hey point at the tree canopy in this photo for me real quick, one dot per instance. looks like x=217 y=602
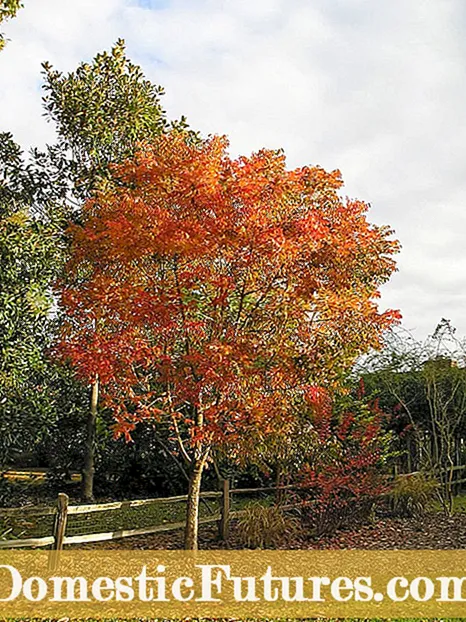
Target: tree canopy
x=219 y=292
x=101 y=111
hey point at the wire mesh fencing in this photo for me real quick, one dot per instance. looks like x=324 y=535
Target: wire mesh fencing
x=37 y=523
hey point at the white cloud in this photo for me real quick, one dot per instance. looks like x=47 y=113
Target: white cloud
x=373 y=88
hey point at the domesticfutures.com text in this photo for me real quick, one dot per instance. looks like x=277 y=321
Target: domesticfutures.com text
x=216 y=583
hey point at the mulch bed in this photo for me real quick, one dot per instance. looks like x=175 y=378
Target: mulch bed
x=434 y=531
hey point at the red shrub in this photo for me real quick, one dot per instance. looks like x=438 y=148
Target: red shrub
x=344 y=472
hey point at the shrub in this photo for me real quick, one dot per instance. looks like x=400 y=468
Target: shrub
x=262 y=526
x=414 y=494
x=344 y=474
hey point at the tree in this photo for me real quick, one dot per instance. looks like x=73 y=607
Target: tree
x=212 y=292
x=31 y=245
x=101 y=111
x=423 y=385
x=30 y=257
x=8 y=9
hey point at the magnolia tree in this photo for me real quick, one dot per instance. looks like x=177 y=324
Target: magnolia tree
x=101 y=111
x=215 y=293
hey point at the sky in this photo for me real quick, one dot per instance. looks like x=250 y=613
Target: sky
x=375 y=88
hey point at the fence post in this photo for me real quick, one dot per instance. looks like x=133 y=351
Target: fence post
x=59 y=529
x=225 y=510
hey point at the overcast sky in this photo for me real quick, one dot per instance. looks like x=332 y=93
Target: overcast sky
x=375 y=88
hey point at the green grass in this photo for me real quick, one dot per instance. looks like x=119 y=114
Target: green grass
x=138 y=517
x=125 y=518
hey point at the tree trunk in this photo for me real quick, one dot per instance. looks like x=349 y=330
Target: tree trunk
x=87 y=488
x=192 y=510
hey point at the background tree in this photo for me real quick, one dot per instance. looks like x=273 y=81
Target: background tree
x=31 y=240
x=31 y=244
x=213 y=292
x=101 y=111
x=423 y=385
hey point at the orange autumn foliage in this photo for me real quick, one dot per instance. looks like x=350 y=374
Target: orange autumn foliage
x=216 y=291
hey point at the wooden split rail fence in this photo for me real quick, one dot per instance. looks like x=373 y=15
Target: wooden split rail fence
x=73 y=524
x=452 y=480
x=64 y=524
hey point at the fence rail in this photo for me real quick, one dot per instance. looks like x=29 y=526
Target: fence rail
x=120 y=505
x=31 y=543
x=35 y=475
x=66 y=524
x=73 y=524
